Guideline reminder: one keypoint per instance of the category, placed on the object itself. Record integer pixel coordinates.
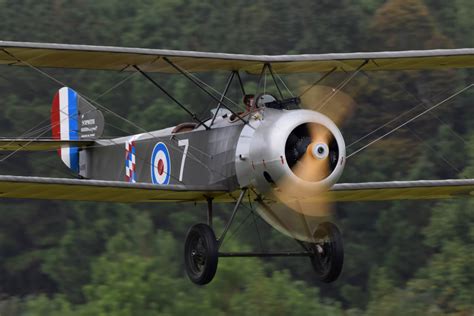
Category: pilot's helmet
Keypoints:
(248, 100)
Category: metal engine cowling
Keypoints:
(267, 154)
(270, 148)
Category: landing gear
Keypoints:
(201, 254)
(201, 250)
(327, 252)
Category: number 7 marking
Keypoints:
(185, 143)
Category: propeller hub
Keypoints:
(320, 151)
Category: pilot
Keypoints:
(248, 101)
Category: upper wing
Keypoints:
(26, 144)
(152, 60)
(106, 191)
(401, 190)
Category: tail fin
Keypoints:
(74, 118)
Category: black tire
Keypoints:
(328, 252)
(201, 254)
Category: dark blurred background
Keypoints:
(402, 258)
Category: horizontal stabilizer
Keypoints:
(33, 144)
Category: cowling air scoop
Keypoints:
(74, 118)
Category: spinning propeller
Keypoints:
(312, 154)
(314, 162)
(318, 153)
(333, 103)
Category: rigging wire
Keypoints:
(450, 164)
(342, 85)
(250, 209)
(392, 120)
(425, 105)
(36, 129)
(284, 84)
(236, 230)
(219, 94)
(274, 81)
(420, 103)
(169, 95)
(118, 84)
(47, 128)
(107, 110)
(411, 120)
(261, 76)
(327, 74)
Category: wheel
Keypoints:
(328, 252)
(200, 254)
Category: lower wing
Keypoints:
(402, 190)
(124, 192)
(104, 191)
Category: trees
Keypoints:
(89, 258)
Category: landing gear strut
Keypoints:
(201, 250)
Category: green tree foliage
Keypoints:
(402, 258)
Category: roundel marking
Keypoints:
(160, 164)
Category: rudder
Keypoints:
(74, 118)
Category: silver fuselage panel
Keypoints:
(198, 157)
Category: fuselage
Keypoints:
(168, 156)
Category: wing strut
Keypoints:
(274, 80)
(240, 82)
(220, 240)
(227, 86)
(263, 77)
(193, 115)
(184, 73)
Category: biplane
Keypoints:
(284, 158)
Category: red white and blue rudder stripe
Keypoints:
(65, 125)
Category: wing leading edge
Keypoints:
(153, 60)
